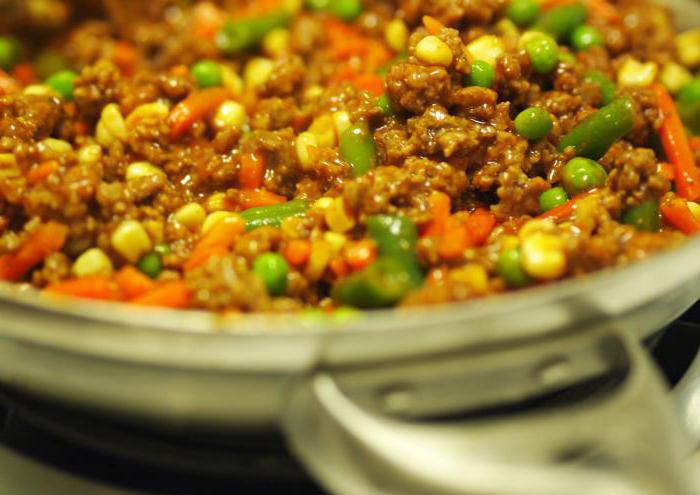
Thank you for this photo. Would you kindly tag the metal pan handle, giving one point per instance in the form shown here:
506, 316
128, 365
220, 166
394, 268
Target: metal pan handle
627, 440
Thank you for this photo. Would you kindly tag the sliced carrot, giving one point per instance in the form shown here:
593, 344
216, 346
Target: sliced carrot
297, 252
80, 128
196, 107
480, 224
94, 287
372, 83
676, 146
454, 241
125, 57
677, 213
42, 171
216, 242
339, 267
260, 197
207, 19
694, 143
252, 170
132, 283
440, 205
564, 211
550, 4
602, 9
345, 72
174, 295
360, 254
24, 73
47, 239
8, 84
202, 255
432, 25
666, 170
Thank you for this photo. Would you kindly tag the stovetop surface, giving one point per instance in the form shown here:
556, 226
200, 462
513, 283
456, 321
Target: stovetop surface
48, 450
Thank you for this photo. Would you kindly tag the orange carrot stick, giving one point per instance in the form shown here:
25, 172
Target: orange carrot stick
94, 287
132, 283
196, 107
480, 224
174, 295
42, 171
454, 241
252, 170
216, 242
562, 212
372, 83
440, 206
360, 254
677, 213
47, 239
432, 25
297, 252
260, 197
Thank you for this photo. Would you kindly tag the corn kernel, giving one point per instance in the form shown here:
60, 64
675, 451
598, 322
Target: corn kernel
8, 160
94, 261
396, 35
635, 73
292, 6
335, 240
487, 48
337, 217
432, 50
39, 90
543, 256
536, 226
509, 242
157, 110
155, 230
257, 72
111, 126
277, 42
230, 114
321, 204
131, 240
528, 36
55, 145
688, 47
231, 80
313, 91
90, 153
321, 253
324, 130
474, 275
214, 218
215, 202
694, 209
138, 170
674, 76
341, 122
506, 27
306, 141
192, 216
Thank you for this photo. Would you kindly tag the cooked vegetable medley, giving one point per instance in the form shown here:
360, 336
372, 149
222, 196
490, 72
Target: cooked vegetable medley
281, 155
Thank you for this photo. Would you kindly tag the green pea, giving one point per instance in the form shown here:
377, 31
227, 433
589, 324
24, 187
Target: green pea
273, 270
552, 198
534, 123
10, 52
560, 21
207, 73
151, 265
510, 269
689, 105
358, 149
582, 174
607, 87
566, 57
482, 75
63, 83
239, 35
544, 54
318, 4
347, 10
384, 104
585, 37
50, 62
523, 12
644, 216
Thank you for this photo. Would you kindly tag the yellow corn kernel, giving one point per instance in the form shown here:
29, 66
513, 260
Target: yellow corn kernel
39, 90
94, 261
688, 47
313, 91
230, 114
337, 217
636, 73
257, 72
335, 240
528, 36
487, 48
506, 27
277, 42
111, 126
321, 204
396, 35
55, 145
90, 153
231, 80
131, 240
694, 209
432, 50
509, 242
341, 122
543, 256
474, 275
214, 218
324, 130
138, 170
306, 141
321, 253
8, 160
292, 6
155, 230
536, 226
158, 110
215, 202
192, 216
674, 76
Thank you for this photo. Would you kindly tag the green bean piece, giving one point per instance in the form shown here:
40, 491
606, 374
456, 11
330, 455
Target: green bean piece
561, 21
482, 74
582, 174
240, 35
544, 54
380, 285
566, 57
207, 73
607, 87
384, 104
689, 105
272, 269
273, 215
510, 269
318, 4
644, 216
150, 265
63, 83
534, 123
346, 10
10, 52
593, 137
50, 62
358, 149
552, 198
523, 12
585, 38
396, 237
